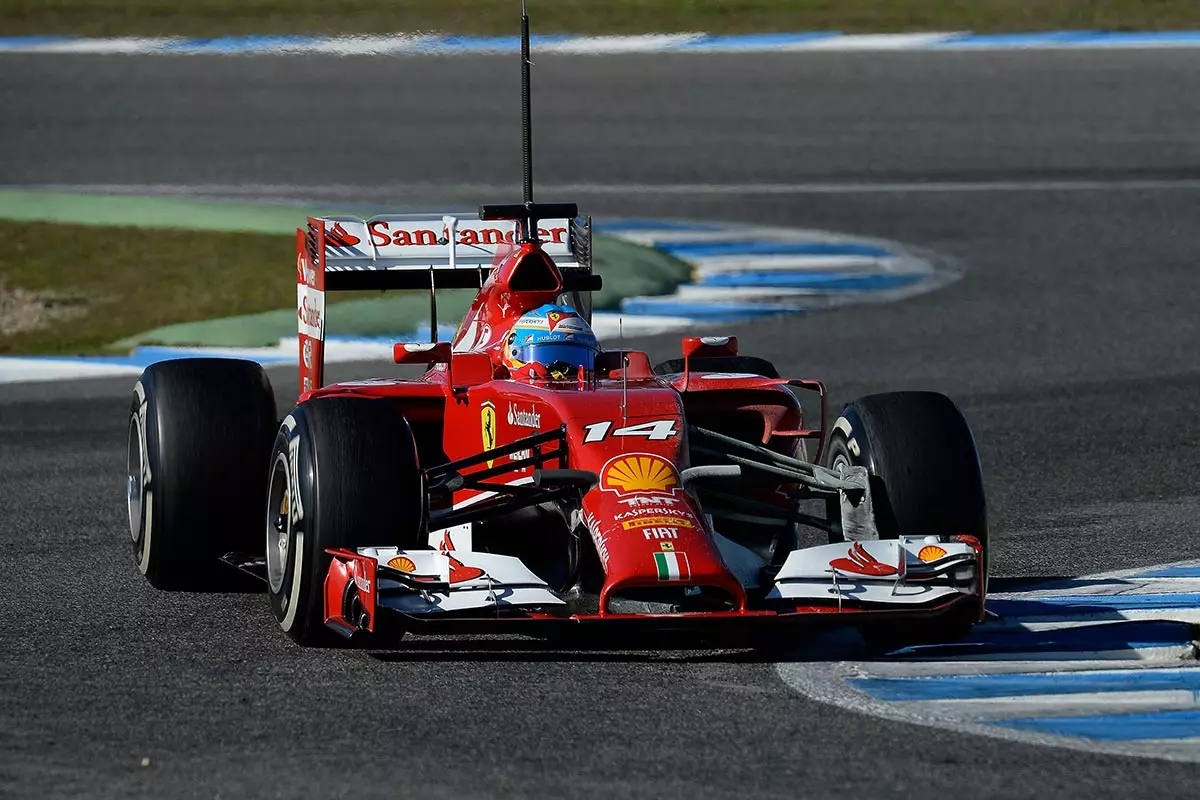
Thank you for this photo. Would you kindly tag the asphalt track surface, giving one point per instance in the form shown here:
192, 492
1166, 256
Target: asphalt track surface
1064, 188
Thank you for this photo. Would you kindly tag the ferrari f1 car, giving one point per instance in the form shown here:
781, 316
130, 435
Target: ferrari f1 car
486, 495
529, 482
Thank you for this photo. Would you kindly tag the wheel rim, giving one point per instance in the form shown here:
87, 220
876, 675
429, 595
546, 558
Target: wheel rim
135, 468
278, 523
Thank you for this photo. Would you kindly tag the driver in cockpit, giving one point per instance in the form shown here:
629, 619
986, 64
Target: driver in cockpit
550, 343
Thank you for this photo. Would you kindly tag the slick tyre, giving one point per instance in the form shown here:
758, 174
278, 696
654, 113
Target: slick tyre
344, 473
200, 432
925, 480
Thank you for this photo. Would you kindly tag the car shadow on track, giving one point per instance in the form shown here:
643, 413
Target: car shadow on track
508, 650
558, 655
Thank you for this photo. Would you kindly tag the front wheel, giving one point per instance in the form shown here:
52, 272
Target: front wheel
199, 435
344, 473
925, 481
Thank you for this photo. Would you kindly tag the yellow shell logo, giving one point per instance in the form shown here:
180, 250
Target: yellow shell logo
640, 472
403, 564
931, 552
487, 420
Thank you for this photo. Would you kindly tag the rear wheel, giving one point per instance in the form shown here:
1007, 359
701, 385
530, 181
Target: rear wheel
925, 481
344, 473
200, 433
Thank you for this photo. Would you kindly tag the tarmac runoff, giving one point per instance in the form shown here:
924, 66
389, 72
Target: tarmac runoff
661, 276
1104, 663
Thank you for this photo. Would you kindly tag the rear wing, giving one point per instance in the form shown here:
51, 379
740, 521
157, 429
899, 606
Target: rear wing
414, 251
397, 251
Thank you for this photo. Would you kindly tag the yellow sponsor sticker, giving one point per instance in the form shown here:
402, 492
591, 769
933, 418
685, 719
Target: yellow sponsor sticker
657, 522
487, 422
931, 553
639, 472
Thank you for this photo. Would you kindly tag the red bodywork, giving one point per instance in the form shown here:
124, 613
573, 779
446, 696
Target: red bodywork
625, 424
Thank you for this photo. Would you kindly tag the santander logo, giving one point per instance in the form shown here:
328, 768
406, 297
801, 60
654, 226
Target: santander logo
524, 419
308, 315
383, 234
338, 236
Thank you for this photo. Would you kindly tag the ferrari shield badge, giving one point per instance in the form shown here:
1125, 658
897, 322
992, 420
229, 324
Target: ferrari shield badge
487, 421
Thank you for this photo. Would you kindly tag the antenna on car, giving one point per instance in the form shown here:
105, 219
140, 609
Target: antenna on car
528, 212
624, 371
526, 118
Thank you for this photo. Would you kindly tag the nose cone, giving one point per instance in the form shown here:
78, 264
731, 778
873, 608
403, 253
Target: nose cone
649, 532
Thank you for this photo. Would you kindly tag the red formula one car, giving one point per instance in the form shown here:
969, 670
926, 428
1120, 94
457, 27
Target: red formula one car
551, 487
530, 482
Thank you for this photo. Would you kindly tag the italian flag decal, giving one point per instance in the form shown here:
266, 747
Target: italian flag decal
672, 566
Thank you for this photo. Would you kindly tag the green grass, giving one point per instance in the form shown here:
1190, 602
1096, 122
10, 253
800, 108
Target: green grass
121, 281
93, 286
232, 17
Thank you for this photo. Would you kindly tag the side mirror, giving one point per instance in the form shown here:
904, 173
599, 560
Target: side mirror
709, 346
421, 353
705, 347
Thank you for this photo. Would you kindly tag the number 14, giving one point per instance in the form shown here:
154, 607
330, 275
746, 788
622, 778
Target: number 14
656, 431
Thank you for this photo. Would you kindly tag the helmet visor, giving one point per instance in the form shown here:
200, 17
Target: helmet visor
550, 353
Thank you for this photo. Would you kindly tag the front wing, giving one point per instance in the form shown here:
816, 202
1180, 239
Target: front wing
383, 591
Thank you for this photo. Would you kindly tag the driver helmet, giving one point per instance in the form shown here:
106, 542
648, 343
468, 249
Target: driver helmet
555, 338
